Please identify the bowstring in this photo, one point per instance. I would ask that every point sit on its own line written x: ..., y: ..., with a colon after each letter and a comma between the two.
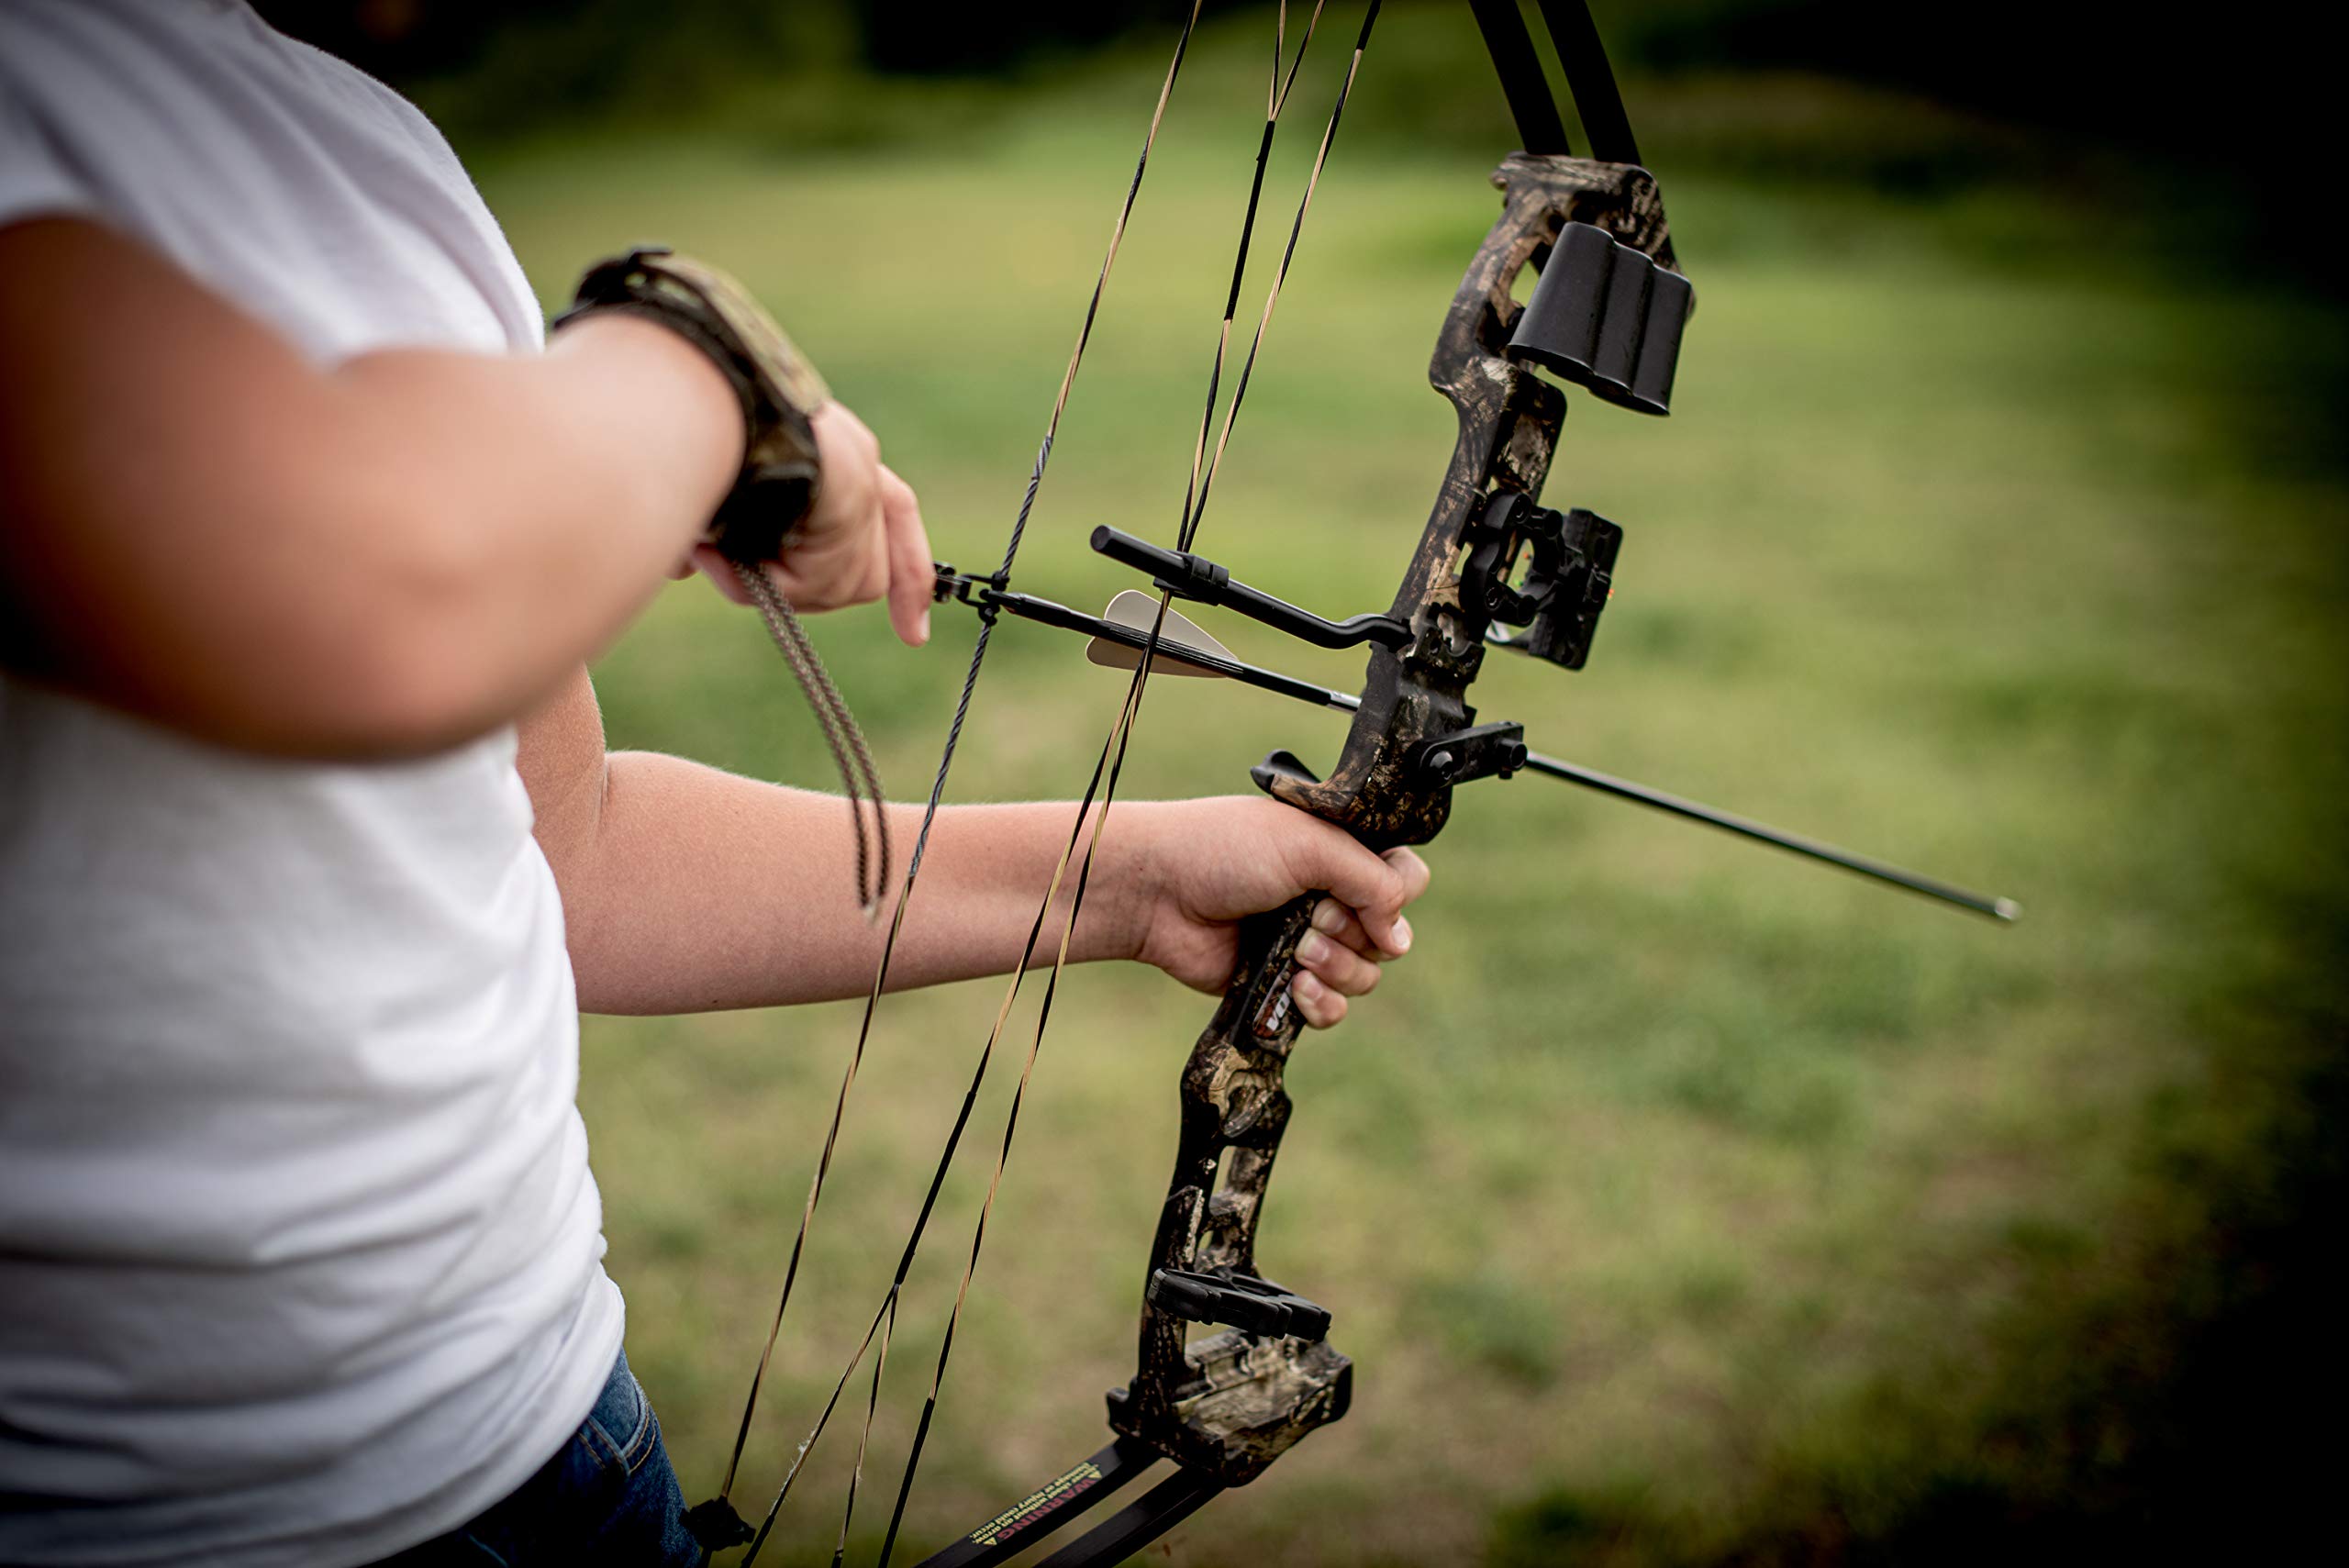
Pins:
x: 1193, y: 511
x: 1121, y: 730
x: 1275, y: 97
x: 929, y: 1200
x: 929, y: 814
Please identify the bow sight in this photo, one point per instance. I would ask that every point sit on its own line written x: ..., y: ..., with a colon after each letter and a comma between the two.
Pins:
x: 1550, y: 572
x: 1527, y: 566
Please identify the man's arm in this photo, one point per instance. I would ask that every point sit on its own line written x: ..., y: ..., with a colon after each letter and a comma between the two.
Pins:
x: 687, y: 889
x: 382, y: 557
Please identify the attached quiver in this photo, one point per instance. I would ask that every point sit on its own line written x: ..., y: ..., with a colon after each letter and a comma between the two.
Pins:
x: 1607, y: 317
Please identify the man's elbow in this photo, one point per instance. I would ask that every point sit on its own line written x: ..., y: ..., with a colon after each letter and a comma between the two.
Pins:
x: 357, y: 702
x: 393, y: 696
x: 437, y: 662
x: 389, y: 649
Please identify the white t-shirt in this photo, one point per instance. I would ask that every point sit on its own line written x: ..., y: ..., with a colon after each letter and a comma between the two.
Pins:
x: 300, y: 1260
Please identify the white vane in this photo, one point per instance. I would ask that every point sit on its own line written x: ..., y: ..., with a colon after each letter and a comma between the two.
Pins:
x: 1139, y: 610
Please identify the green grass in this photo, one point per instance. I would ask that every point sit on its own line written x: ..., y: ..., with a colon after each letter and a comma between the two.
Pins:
x: 1678, y: 1202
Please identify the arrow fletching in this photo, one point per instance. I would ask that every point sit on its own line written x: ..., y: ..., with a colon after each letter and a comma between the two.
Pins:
x: 1137, y: 611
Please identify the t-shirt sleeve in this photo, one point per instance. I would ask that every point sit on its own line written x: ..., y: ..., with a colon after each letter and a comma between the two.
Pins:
x: 35, y: 179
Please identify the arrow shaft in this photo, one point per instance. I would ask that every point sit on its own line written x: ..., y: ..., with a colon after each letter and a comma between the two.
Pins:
x: 1026, y: 606
x: 1778, y: 837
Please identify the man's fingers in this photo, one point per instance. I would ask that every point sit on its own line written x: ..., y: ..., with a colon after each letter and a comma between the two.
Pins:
x: 1336, y: 965
x: 1376, y: 888
x: 839, y: 431
x: 865, y: 539
x: 847, y: 509
x: 839, y: 557
x: 1320, y: 1007
x: 910, y: 574
x: 1337, y: 922
x: 720, y: 573
x: 1407, y: 863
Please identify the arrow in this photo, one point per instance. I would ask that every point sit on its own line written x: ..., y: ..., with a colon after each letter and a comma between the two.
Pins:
x: 1181, y: 643
x: 1119, y: 636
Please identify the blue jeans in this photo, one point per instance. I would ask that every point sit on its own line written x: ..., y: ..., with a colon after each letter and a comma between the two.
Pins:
x: 607, y: 1496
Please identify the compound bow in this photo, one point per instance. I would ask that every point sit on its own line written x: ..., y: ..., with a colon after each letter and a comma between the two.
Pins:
x: 1492, y: 567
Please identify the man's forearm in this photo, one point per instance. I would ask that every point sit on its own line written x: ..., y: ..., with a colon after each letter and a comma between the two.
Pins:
x: 695, y: 890
x: 384, y: 556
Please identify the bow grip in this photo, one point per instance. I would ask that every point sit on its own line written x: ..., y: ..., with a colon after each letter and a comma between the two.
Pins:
x: 1257, y: 1022
x: 1230, y: 1404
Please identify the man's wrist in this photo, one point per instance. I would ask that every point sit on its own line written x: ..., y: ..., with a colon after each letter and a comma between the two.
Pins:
x: 1132, y: 870
x: 778, y: 392
x: 658, y: 364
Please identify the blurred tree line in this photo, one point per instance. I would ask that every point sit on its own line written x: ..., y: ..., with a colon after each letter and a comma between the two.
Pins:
x: 2213, y: 126
x: 2088, y: 66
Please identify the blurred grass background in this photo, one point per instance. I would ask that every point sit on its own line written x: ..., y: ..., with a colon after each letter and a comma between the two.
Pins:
x: 1678, y: 1202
